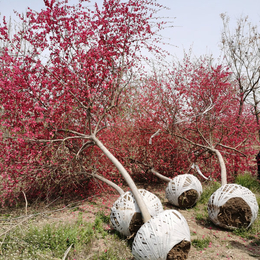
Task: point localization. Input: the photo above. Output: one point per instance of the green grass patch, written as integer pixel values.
(208, 190)
(248, 181)
(200, 243)
(200, 216)
(103, 217)
(50, 241)
(251, 233)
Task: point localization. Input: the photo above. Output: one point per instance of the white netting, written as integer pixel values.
(125, 207)
(226, 192)
(180, 184)
(159, 235)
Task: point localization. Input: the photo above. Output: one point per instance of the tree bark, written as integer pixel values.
(222, 167)
(110, 183)
(128, 179)
(164, 178)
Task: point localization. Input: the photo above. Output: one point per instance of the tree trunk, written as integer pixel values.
(222, 167)
(110, 183)
(164, 178)
(128, 179)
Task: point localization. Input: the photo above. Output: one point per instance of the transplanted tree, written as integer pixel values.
(212, 124)
(202, 111)
(152, 107)
(125, 214)
(59, 94)
(66, 99)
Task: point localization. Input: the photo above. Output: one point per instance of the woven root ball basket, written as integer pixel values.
(125, 214)
(233, 206)
(165, 236)
(184, 191)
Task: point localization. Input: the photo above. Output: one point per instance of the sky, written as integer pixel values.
(196, 24)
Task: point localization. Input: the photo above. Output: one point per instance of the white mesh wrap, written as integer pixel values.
(180, 184)
(125, 207)
(226, 192)
(159, 235)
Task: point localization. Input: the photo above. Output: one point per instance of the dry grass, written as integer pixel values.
(21, 235)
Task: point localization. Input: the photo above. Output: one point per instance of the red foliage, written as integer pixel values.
(61, 76)
(63, 87)
(213, 121)
(196, 108)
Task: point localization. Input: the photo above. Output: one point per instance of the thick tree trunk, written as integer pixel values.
(164, 178)
(128, 179)
(222, 167)
(110, 183)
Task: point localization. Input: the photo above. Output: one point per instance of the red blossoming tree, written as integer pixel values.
(197, 104)
(61, 79)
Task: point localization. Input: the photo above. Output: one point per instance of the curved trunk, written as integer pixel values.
(164, 178)
(222, 167)
(128, 179)
(110, 183)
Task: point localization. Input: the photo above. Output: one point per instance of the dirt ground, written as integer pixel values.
(223, 244)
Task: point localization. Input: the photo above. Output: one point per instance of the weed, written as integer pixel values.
(243, 232)
(200, 216)
(107, 255)
(200, 243)
(251, 233)
(208, 190)
(248, 181)
(105, 218)
(98, 226)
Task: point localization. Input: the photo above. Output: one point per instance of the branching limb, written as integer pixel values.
(85, 145)
(156, 133)
(234, 149)
(191, 142)
(110, 183)
(160, 176)
(203, 137)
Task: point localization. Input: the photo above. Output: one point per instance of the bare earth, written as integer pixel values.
(223, 244)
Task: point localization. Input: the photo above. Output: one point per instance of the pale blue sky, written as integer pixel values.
(197, 23)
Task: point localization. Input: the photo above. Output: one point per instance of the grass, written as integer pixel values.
(208, 189)
(253, 232)
(248, 181)
(94, 240)
(200, 216)
(200, 243)
(51, 241)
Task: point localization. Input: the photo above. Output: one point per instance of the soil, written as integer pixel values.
(179, 251)
(188, 199)
(235, 213)
(223, 243)
(136, 223)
